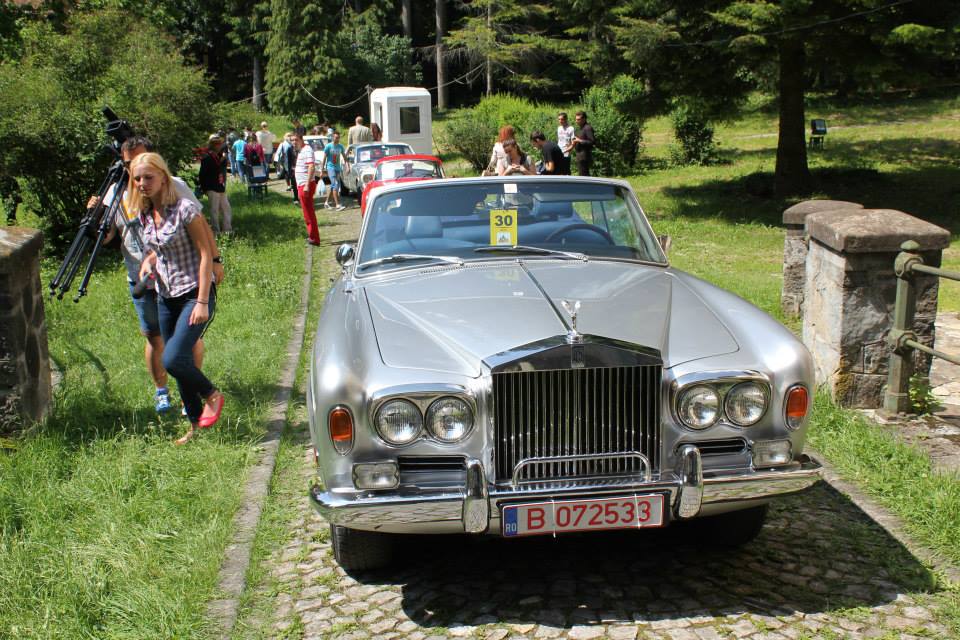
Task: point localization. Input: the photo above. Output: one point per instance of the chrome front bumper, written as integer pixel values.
(475, 508)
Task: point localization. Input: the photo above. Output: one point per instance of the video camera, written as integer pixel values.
(97, 220)
(116, 128)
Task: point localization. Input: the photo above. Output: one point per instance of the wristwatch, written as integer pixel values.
(218, 259)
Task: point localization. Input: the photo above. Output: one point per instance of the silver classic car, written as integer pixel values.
(363, 157)
(515, 356)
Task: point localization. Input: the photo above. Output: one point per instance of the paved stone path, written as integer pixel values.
(819, 569)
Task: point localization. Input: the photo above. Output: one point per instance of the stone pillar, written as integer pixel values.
(850, 292)
(795, 249)
(25, 389)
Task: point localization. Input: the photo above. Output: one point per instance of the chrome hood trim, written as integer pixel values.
(475, 312)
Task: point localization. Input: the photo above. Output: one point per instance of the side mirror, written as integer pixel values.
(665, 242)
(344, 253)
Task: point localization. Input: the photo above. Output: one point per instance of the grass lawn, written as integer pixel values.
(106, 529)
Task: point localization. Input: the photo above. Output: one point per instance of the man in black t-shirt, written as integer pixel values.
(552, 155)
(583, 143)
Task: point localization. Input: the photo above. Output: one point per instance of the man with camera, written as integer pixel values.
(132, 249)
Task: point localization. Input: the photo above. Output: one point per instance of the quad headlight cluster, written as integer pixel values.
(702, 405)
(448, 419)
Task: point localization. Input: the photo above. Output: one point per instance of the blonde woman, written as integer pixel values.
(179, 257)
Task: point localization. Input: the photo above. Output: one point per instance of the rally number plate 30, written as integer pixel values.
(561, 516)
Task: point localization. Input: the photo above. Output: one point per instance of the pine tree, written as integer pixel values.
(512, 37)
(304, 56)
(710, 48)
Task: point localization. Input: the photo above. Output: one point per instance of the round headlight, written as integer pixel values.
(449, 419)
(399, 422)
(745, 403)
(699, 406)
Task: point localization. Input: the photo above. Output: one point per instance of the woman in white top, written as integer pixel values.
(514, 161)
(506, 133)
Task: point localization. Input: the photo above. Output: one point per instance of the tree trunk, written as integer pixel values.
(489, 61)
(792, 173)
(406, 18)
(441, 62)
(257, 83)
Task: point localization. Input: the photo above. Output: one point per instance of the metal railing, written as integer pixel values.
(902, 339)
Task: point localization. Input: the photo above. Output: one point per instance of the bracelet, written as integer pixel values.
(202, 301)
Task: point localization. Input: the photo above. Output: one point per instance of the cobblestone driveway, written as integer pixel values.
(819, 569)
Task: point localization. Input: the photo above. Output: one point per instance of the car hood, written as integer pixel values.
(451, 319)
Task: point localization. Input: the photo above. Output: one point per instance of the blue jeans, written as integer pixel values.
(235, 167)
(179, 337)
(146, 307)
(334, 174)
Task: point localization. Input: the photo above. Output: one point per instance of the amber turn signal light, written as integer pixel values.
(340, 423)
(798, 403)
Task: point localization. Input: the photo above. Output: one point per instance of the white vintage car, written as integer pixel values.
(363, 157)
(516, 356)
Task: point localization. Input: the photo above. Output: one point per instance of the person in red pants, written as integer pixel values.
(306, 172)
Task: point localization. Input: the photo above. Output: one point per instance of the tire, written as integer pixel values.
(734, 529)
(357, 550)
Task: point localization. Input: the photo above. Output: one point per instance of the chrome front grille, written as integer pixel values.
(576, 412)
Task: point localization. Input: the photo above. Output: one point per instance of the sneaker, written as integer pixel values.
(183, 411)
(326, 205)
(339, 207)
(162, 401)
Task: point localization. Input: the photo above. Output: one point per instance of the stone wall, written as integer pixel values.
(795, 249)
(849, 296)
(25, 389)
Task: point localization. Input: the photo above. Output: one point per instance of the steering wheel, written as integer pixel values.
(576, 226)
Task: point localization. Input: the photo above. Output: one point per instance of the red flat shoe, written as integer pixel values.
(207, 421)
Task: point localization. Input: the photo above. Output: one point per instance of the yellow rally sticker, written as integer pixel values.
(503, 227)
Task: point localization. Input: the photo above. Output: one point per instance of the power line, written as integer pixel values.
(459, 78)
(806, 27)
(334, 106)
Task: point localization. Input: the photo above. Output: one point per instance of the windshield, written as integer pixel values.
(490, 219)
(375, 152)
(408, 169)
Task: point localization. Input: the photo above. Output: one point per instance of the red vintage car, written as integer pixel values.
(405, 168)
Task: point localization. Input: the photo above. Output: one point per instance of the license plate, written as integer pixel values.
(560, 516)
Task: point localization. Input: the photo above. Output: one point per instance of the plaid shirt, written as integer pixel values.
(178, 261)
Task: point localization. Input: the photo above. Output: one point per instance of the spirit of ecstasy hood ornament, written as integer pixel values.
(572, 309)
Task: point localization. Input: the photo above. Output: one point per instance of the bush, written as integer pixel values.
(694, 135)
(472, 132)
(236, 115)
(615, 111)
(51, 129)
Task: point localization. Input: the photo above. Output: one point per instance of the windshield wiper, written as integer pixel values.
(405, 257)
(521, 248)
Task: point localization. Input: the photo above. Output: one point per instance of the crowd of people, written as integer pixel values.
(168, 245)
(507, 158)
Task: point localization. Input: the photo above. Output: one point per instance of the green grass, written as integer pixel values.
(899, 476)
(106, 529)
(287, 487)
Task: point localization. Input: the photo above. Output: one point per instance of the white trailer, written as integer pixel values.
(404, 115)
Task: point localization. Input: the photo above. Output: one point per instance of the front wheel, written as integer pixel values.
(357, 550)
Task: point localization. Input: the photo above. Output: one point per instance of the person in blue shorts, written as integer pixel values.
(335, 164)
(132, 248)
